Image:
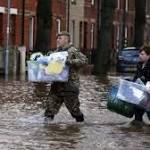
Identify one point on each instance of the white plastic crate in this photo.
(134, 93)
(49, 68)
(32, 68)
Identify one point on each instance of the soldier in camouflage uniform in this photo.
(67, 92)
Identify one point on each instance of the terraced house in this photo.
(71, 15)
(80, 17)
(22, 22)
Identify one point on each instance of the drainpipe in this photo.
(7, 39)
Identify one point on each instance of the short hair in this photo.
(63, 33)
(146, 49)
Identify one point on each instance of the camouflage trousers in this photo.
(54, 102)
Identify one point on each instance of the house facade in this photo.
(123, 24)
(22, 21)
(59, 19)
(76, 16)
(79, 17)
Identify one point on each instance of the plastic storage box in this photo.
(49, 68)
(134, 93)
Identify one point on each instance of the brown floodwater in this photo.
(22, 125)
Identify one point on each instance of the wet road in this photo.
(22, 125)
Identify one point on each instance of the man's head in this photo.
(144, 53)
(63, 39)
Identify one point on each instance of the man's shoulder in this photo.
(73, 49)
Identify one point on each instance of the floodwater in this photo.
(22, 125)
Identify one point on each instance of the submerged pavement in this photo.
(22, 125)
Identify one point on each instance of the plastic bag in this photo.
(118, 106)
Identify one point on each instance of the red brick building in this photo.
(90, 24)
(123, 25)
(20, 27)
(84, 29)
(23, 23)
(59, 19)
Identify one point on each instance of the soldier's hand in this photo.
(68, 61)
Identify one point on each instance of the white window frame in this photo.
(58, 24)
(31, 32)
(127, 5)
(126, 36)
(126, 32)
(73, 1)
(92, 2)
(92, 35)
(118, 4)
(118, 37)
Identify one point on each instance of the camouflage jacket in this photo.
(75, 61)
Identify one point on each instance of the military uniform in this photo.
(67, 92)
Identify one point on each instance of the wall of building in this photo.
(58, 19)
(123, 22)
(90, 19)
(16, 26)
(79, 17)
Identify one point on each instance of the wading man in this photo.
(67, 92)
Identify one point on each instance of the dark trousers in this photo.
(139, 112)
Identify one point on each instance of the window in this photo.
(73, 2)
(81, 34)
(12, 29)
(118, 38)
(127, 3)
(1, 29)
(58, 24)
(92, 2)
(126, 36)
(118, 4)
(85, 35)
(92, 36)
(126, 32)
(31, 32)
(73, 31)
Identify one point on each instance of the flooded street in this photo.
(22, 125)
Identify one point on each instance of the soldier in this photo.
(67, 92)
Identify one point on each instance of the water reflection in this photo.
(66, 135)
(22, 123)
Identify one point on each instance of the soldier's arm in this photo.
(76, 58)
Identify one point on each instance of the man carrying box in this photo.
(67, 92)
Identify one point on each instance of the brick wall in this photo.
(58, 12)
(30, 8)
(90, 17)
